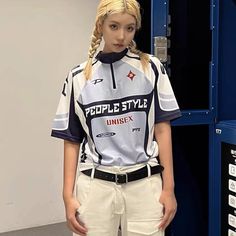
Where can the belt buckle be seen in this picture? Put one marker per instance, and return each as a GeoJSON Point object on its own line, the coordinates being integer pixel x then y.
{"type": "Point", "coordinates": [119, 178]}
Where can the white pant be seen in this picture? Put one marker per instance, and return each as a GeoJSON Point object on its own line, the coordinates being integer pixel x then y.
{"type": "Point", "coordinates": [134, 206]}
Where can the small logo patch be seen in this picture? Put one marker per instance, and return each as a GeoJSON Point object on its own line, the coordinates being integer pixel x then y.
{"type": "Point", "coordinates": [106, 135]}
{"type": "Point", "coordinates": [131, 75]}
{"type": "Point", "coordinates": [136, 129]}
{"type": "Point", "coordinates": [96, 81]}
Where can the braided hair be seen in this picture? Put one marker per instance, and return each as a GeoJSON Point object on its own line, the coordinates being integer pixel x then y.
{"type": "Point", "coordinates": [144, 57]}
{"type": "Point", "coordinates": [95, 43]}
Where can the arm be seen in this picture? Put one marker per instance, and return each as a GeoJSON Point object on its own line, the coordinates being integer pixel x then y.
{"type": "Point", "coordinates": [71, 151]}
{"type": "Point", "coordinates": [167, 198]}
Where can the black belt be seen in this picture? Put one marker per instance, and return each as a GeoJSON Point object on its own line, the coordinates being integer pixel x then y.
{"type": "Point", "coordinates": [127, 177]}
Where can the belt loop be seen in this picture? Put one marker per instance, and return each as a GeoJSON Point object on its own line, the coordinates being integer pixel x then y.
{"type": "Point", "coordinates": [92, 172]}
{"type": "Point", "coordinates": [149, 170]}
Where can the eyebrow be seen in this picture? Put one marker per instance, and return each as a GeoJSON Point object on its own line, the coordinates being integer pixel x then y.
{"type": "Point", "coordinates": [112, 21]}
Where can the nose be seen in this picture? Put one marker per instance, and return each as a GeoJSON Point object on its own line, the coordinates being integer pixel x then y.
{"type": "Point", "coordinates": [121, 35]}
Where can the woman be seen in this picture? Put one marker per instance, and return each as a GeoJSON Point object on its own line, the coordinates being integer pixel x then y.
{"type": "Point", "coordinates": [114, 115]}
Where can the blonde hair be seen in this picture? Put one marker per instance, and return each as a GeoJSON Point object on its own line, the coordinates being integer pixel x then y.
{"type": "Point", "coordinates": [108, 7]}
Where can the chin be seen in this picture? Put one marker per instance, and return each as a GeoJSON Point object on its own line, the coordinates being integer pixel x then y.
{"type": "Point", "coordinates": [115, 49]}
{"type": "Point", "coordinates": [119, 49]}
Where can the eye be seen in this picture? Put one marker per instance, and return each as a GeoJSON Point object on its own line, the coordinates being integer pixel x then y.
{"type": "Point", "coordinates": [130, 28]}
{"type": "Point", "coordinates": [113, 27]}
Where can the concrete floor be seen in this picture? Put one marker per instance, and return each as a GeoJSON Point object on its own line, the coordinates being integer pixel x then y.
{"type": "Point", "coordinates": [49, 230]}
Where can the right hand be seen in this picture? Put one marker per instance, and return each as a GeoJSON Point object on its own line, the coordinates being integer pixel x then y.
{"type": "Point", "coordinates": [71, 206]}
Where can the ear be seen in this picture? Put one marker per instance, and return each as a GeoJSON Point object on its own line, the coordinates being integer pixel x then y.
{"type": "Point", "coordinates": [99, 27]}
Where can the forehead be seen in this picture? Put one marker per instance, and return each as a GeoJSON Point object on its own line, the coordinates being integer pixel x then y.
{"type": "Point", "coordinates": [121, 18]}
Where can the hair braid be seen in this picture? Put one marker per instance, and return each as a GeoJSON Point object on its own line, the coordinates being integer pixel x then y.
{"type": "Point", "coordinates": [95, 43]}
{"type": "Point", "coordinates": [144, 57]}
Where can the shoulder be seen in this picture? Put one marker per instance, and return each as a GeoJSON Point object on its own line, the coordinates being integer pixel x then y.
{"type": "Point", "coordinates": [152, 59]}
{"type": "Point", "coordinates": [74, 75]}
{"type": "Point", "coordinates": [132, 56]}
{"type": "Point", "coordinates": [78, 69]}
{"type": "Point", "coordinates": [155, 62]}
{"type": "Point", "coordinates": [133, 59]}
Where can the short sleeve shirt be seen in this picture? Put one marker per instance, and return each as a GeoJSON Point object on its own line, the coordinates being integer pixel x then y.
{"type": "Point", "coordinates": [113, 114]}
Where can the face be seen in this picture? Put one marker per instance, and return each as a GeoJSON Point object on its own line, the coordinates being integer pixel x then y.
{"type": "Point", "coordinates": [118, 31]}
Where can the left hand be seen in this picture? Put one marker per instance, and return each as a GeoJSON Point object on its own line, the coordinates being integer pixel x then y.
{"type": "Point", "coordinates": [168, 200]}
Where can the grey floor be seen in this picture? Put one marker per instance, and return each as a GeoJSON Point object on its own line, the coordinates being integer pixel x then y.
{"type": "Point", "coordinates": [49, 230]}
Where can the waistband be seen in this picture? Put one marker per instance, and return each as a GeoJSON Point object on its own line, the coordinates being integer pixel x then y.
{"type": "Point", "coordinates": [117, 169]}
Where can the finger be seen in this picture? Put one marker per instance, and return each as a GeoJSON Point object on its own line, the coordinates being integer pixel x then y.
{"type": "Point", "coordinates": [168, 221]}
{"type": "Point", "coordinates": [77, 226]}
{"type": "Point", "coordinates": [163, 224]}
{"type": "Point", "coordinates": [168, 217]}
{"type": "Point", "coordinates": [75, 230]}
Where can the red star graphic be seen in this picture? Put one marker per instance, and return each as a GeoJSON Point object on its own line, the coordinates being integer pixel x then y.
{"type": "Point", "coordinates": [131, 75]}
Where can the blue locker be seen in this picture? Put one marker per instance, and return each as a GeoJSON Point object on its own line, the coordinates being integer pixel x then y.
{"type": "Point", "coordinates": [201, 64]}
{"type": "Point", "coordinates": [227, 62]}
{"type": "Point", "coordinates": [192, 30]}
{"type": "Point", "coordinates": [225, 178]}
{"type": "Point", "coordinates": [224, 138]}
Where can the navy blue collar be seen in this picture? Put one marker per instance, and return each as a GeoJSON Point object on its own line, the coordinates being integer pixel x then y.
{"type": "Point", "coordinates": [111, 57]}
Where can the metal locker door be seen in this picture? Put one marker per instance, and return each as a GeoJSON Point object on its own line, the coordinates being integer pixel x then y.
{"type": "Point", "coordinates": [198, 102]}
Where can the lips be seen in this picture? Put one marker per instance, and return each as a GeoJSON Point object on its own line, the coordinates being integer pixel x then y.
{"type": "Point", "coordinates": [119, 45]}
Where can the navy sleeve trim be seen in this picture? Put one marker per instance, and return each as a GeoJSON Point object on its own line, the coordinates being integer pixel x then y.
{"type": "Point", "coordinates": [58, 134]}
{"type": "Point", "coordinates": [168, 116]}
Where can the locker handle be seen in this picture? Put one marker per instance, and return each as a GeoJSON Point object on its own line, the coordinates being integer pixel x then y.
{"type": "Point", "coordinates": [160, 48]}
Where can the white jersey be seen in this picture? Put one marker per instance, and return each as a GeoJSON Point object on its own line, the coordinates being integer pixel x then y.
{"type": "Point", "coordinates": [113, 114]}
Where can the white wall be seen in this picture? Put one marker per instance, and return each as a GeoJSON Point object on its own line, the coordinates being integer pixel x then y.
{"type": "Point", "coordinates": [40, 41]}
